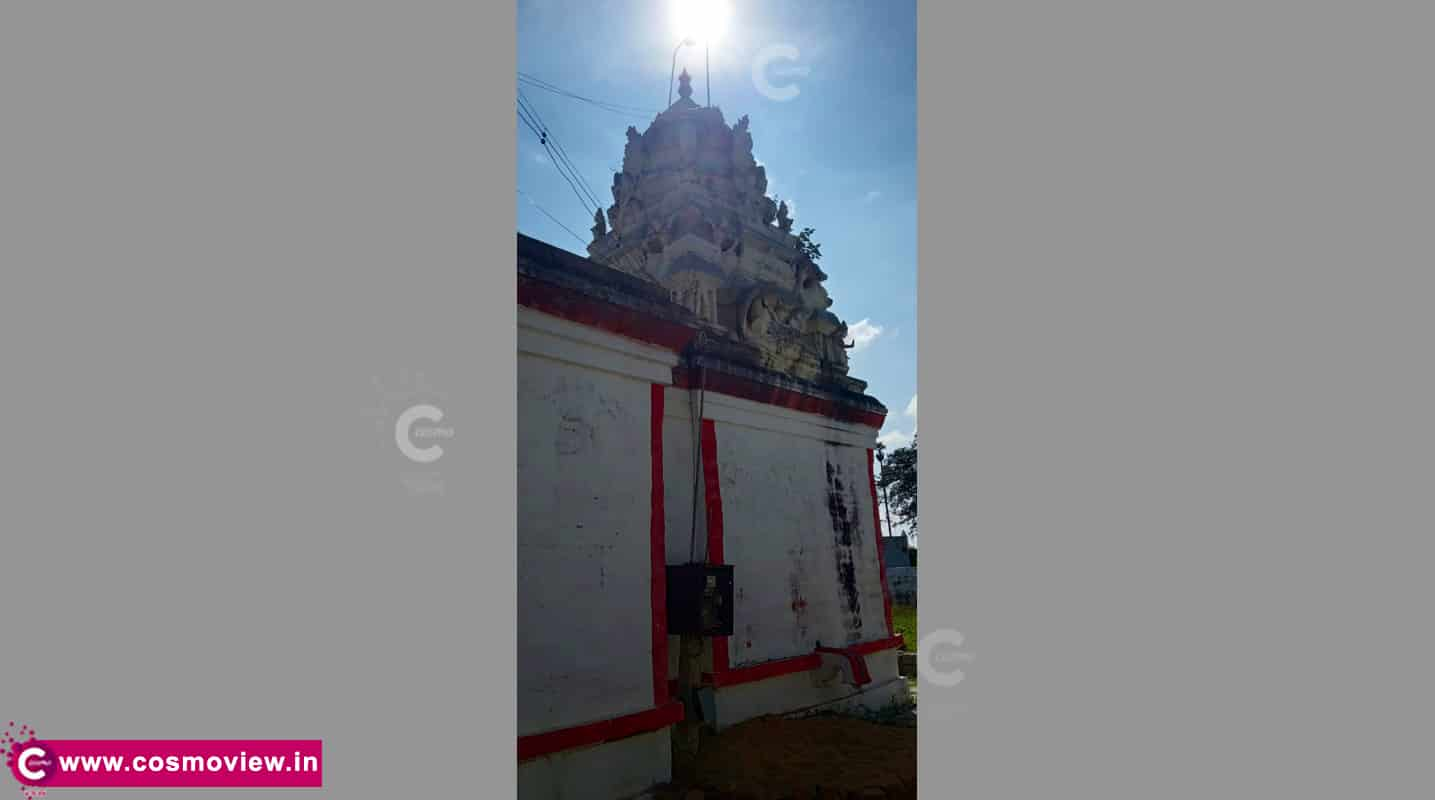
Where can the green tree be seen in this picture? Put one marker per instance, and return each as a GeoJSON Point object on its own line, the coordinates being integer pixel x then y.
{"type": "Point", "coordinates": [809, 248]}
{"type": "Point", "coordinates": [899, 481]}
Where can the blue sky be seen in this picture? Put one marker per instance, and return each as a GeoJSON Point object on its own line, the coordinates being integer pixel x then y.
{"type": "Point", "coordinates": [842, 152]}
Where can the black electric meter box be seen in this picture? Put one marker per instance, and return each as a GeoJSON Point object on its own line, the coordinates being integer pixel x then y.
{"type": "Point", "coordinates": [700, 600]}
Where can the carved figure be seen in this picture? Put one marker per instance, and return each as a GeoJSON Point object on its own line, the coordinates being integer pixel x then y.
{"type": "Point", "coordinates": [784, 222]}
{"type": "Point", "coordinates": [742, 144]}
{"type": "Point", "coordinates": [768, 210]}
{"type": "Point", "coordinates": [600, 227]}
{"type": "Point", "coordinates": [824, 336]}
{"type": "Point", "coordinates": [808, 284]}
{"type": "Point", "coordinates": [759, 317]}
{"type": "Point", "coordinates": [633, 153]}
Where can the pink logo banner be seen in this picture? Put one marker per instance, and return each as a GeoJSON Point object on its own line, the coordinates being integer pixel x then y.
{"type": "Point", "coordinates": [161, 763]}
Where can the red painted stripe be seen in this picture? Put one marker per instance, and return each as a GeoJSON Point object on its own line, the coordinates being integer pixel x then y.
{"type": "Point", "coordinates": [608, 730]}
{"type": "Point", "coordinates": [763, 671]}
{"type": "Point", "coordinates": [881, 557]}
{"type": "Point", "coordinates": [790, 666]}
{"type": "Point", "coordinates": [747, 389]}
{"type": "Point", "coordinates": [663, 713]}
{"type": "Point", "coordinates": [656, 526]}
{"type": "Point", "coordinates": [586, 310]}
{"type": "Point", "coordinates": [877, 646]}
{"type": "Point", "coordinates": [861, 676]}
{"type": "Point", "coordinates": [712, 497]}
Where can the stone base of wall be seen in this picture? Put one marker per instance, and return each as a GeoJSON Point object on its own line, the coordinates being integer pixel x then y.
{"type": "Point", "coordinates": [794, 693]}
{"type": "Point", "coordinates": [624, 768]}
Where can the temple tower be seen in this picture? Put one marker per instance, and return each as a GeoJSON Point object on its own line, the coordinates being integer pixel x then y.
{"type": "Point", "coordinates": [691, 213]}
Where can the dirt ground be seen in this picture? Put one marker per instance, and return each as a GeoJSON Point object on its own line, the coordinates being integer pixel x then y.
{"type": "Point", "coordinates": [816, 758]}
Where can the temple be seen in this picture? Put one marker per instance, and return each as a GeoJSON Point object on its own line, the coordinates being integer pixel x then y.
{"type": "Point", "coordinates": [691, 213]}
{"type": "Point", "coordinates": [685, 408]}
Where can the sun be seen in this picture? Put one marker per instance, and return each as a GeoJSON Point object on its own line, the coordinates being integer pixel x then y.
{"type": "Point", "coordinates": [703, 21]}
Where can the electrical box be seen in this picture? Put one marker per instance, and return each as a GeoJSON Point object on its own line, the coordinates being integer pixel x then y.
{"type": "Point", "coordinates": [700, 600]}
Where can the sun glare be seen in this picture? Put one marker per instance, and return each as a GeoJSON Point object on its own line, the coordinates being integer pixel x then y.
{"type": "Point", "coordinates": [703, 21]}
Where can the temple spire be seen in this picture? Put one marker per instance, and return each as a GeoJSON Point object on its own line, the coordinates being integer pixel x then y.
{"type": "Point", "coordinates": [685, 85]}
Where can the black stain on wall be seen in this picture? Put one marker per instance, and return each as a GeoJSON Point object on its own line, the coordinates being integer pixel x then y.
{"type": "Point", "coordinates": [842, 507]}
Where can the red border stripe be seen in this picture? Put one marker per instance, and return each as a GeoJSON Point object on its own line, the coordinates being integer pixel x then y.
{"type": "Point", "coordinates": [765, 670]}
{"type": "Point", "coordinates": [735, 386]}
{"type": "Point", "coordinates": [712, 497]}
{"type": "Point", "coordinates": [577, 307]}
{"type": "Point", "coordinates": [656, 525]}
{"type": "Point", "coordinates": [791, 666]}
{"type": "Point", "coordinates": [877, 646]}
{"type": "Point", "coordinates": [664, 713]}
{"type": "Point", "coordinates": [881, 557]}
{"type": "Point", "coordinates": [608, 730]}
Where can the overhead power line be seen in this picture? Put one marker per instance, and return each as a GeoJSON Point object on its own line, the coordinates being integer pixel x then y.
{"type": "Point", "coordinates": [558, 156]}
{"type": "Point", "coordinates": [545, 213]}
{"type": "Point", "coordinates": [616, 108]}
{"type": "Point", "coordinates": [568, 162]}
{"type": "Point", "coordinates": [556, 149]}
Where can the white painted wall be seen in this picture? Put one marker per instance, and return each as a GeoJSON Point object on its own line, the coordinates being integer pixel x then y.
{"type": "Point", "coordinates": [686, 536]}
{"type": "Point", "coordinates": [790, 528]}
{"type": "Point", "coordinates": [584, 543]}
{"type": "Point", "coordinates": [679, 448]}
{"type": "Point", "coordinates": [779, 535]}
{"type": "Point", "coordinates": [584, 605]}
{"type": "Point", "coordinates": [796, 692]}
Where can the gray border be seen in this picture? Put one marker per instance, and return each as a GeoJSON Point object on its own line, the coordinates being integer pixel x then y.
{"type": "Point", "coordinates": [221, 223]}
{"type": "Point", "coordinates": [1175, 462]}
{"type": "Point", "coordinates": [1178, 252]}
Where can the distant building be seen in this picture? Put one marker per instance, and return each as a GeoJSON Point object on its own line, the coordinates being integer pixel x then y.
{"type": "Point", "coordinates": [901, 572]}
{"type": "Point", "coordinates": [896, 552]}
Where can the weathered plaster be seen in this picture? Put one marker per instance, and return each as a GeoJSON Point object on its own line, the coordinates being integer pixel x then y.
{"type": "Point", "coordinates": [584, 544]}
{"type": "Point", "coordinates": [795, 693]}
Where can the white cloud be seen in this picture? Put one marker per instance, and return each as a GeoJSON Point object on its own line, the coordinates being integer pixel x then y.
{"type": "Point", "coordinates": [912, 408]}
{"type": "Point", "coordinates": [872, 196]}
{"type": "Point", "coordinates": [895, 439]}
{"type": "Point", "coordinates": [863, 332]}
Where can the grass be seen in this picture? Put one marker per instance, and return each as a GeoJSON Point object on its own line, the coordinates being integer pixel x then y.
{"type": "Point", "coordinates": [904, 622]}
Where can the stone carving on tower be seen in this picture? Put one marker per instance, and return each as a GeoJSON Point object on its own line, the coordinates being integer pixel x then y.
{"type": "Point", "coordinates": [690, 212]}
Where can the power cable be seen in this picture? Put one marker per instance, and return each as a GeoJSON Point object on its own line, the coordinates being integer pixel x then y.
{"type": "Point", "coordinates": [558, 165]}
{"type": "Point", "coordinates": [616, 108]}
{"type": "Point", "coordinates": [586, 197]}
{"type": "Point", "coordinates": [558, 146]}
{"type": "Point", "coordinates": [556, 221]}
{"type": "Point", "coordinates": [697, 450]}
